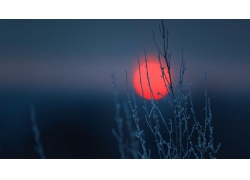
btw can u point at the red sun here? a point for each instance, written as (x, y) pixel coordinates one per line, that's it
(155, 76)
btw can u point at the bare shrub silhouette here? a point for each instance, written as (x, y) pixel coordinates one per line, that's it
(183, 135)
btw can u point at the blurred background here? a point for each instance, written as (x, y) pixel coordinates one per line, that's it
(64, 68)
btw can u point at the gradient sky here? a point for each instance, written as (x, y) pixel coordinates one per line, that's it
(76, 58)
(81, 54)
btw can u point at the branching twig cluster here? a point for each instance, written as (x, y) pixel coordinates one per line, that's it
(126, 149)
(186, 137)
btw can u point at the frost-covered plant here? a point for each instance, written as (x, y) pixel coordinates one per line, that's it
(38, 147)
(126, 147)
(183, 135)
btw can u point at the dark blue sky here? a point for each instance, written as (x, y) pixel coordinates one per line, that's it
(64, 68)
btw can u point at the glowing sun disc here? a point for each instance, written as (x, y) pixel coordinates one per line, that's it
(155, 76)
